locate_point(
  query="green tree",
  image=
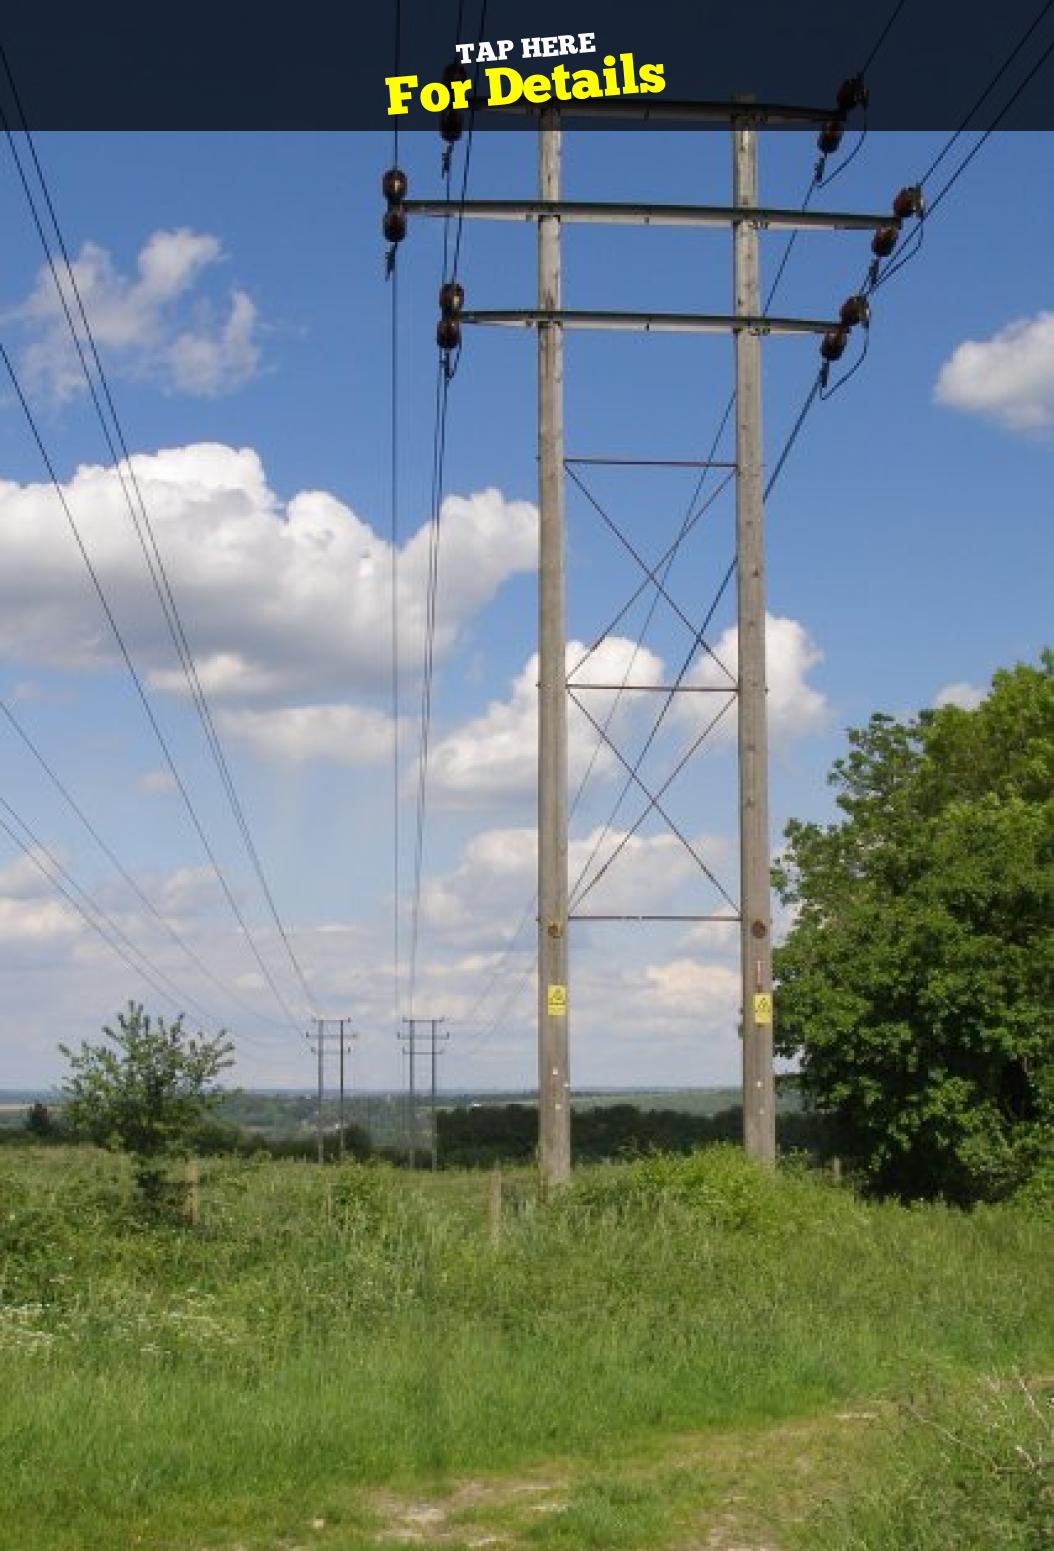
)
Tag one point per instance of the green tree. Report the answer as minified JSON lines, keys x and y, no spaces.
{"x":916,"y":984}
{"x":144,"y":1092}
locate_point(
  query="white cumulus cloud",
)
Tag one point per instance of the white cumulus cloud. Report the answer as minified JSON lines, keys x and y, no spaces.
{"x":707,"y":991}
{"x":494,"y":757}
{"x":795,"y":707}
{"x":278,"y":601}
{"x":482,"y":900}
{"x":339,"y":734}
{"x":1009,"y":378}
{"x":966,"y":696}
{"x":153,"y":324}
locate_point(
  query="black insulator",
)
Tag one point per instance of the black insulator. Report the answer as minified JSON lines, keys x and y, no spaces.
{"x":394,"y":185}
{"x":854,"y":310}
{"x":908,"y":202}
{"x":451,"y":298}
{"x":832,"y":346}
{"x":884,"y":241}
{"x":455,"y":71}
{"x":450,"y":125}
{"x":830,"y":137}
{"x":448,"y":333}
{"x":852,"y":94}
{"x":394,"y":224}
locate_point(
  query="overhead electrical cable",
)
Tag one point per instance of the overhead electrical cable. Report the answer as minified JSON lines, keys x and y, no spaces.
{"x":394,"y":578}
{"x":140,"y":688}
{"x":658,"y":576}
{"x":138,"y":511}
{"x":97,"y":918}
{"x":446,"y":371}
{"x":903,"y":253}
{"x":129,"y":878}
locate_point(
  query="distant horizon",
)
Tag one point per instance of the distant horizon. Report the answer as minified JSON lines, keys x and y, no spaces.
{"x":17,"y":1095}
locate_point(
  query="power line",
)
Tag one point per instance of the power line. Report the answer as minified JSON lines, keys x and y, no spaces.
{"x":139,"y":687}
{"x":667,"y":562}
{"x":128,"y":877}
{"x":141,"y":518}
{"x":883,"y":35}
{"x":432,"y":588}
{"x":394,"y":573}
{"x":446,"y":370}
{"x":662,"y":570}
{"x":992,"y":84}
{"x":94,"y":914}
{"x":957,"y":174}
{"x":876,"y":277}
{"x":577,"y":892}
{"x":468,"y":144}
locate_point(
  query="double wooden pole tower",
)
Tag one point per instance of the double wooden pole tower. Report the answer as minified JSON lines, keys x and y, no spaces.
{"x":748,"y":325}
{"x":326,"y":1031}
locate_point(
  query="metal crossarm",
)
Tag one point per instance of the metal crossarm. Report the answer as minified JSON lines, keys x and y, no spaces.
{"x":611,"y":213}
{"x":578,"y":916}
{"x":672,"y":110}
{"x":652,"y":322}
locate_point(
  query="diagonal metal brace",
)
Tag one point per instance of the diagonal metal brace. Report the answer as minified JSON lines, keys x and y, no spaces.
{"x":653,"y":802}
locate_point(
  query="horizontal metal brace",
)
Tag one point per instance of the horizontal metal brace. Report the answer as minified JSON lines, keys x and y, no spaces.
{"x":601,"y":212}
{"x":661,"y":689}
{"x":643,"y":106}
{"x":729,"y":920}
{"x":654,"y":322}
{"x":660,"y":463}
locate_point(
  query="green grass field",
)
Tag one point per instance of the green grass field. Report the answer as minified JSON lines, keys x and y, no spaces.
{"x":679,"y":1354}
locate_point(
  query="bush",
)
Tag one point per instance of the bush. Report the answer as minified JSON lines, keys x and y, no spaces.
{"x":719,"y":1185}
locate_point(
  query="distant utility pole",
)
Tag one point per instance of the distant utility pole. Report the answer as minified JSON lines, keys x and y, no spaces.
{"x":755,"y":918}
{"x":343,"y":1037}
{"x":435,"y":1039}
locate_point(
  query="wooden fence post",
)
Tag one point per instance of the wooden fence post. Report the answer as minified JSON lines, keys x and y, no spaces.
{"x":494,"y":1206}
{"x":191,"y":1200}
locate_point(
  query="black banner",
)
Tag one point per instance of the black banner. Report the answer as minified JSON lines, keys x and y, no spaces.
{"x":325,"y":66}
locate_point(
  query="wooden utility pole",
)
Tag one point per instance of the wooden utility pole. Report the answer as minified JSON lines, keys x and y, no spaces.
{"x":747,"y":323}
{"x":554,"y":1117}
{"x":410,"y":1038}
{"x":340,"y":1106}
{"x":755,"y":915}
{"x":435,"y":1022}
{"x":411,"y":1139}
{"x":320,"y":1036}
{"x":321,"y":1041}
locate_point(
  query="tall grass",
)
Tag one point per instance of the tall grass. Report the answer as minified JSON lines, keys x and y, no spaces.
{"x":971,"y":1471}
{"x":323,"y":1329}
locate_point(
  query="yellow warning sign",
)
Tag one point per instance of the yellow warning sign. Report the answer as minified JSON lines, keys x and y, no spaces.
{"x":556,"y":1001}
{"x":763,"y":1008}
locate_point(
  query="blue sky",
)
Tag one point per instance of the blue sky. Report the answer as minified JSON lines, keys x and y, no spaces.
{"x":909,"y":551}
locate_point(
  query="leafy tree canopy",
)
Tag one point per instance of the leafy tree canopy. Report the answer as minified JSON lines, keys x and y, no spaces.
{"x":916,"y":984}
{"x":145,"y":1090}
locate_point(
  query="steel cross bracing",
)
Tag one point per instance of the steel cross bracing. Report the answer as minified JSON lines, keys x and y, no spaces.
{"x":748,"y":323}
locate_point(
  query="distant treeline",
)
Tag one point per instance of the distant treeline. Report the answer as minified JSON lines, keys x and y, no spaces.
{"x":213,"y":1138}
{"x":482,"y":1135}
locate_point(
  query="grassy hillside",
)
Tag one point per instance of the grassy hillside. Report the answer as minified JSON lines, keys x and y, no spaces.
{"x":328,"y":1346}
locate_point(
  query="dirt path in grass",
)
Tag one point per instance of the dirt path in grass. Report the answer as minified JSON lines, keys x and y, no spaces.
{"x":715,"y":1491}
